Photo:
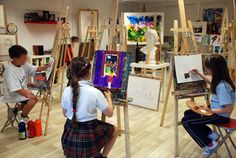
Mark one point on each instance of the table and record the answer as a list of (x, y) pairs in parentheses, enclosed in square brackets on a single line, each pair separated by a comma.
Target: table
[(153, 68)]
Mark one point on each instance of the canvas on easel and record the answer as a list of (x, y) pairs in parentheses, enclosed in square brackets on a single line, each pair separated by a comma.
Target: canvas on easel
[(111, 71)]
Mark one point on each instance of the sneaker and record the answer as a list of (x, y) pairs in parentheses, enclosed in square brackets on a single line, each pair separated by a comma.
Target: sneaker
[(214, 136), (21, 117), (208, 150)]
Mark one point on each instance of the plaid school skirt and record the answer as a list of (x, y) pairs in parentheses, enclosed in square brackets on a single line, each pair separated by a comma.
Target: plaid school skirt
[(87, 140)]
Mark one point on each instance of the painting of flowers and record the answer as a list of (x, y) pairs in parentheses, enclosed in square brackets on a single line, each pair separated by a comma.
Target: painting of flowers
[(138, 23)]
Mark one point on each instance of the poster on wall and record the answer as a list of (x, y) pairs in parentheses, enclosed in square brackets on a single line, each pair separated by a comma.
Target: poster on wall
[(6, 41), (2, 17), (213, 17), (87, 17), (145, 92), (184, 66), (138, 23)]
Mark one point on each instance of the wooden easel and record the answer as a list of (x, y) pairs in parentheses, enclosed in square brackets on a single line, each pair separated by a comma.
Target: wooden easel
[(90, 36), (181, 35), (232, 54), (59, 52), (113, 30), (225, 34)]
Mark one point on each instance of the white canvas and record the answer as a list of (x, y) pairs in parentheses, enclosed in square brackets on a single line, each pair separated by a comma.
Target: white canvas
[(2, 17), (145, 92), (85, 22), (184, 65), (6, 41)]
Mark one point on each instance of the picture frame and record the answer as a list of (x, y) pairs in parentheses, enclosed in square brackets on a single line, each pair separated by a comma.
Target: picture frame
[(3, 18), (6, 41), (138, 22), (199, 28), (84, 22)]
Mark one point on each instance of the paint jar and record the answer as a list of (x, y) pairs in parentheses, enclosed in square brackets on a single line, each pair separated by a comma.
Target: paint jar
[(38, 128)]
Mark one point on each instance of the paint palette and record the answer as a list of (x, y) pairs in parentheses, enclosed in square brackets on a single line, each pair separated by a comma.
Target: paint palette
[(201, 109)]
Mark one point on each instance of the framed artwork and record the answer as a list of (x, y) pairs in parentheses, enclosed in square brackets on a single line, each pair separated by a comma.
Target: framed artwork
[(87, 17), (6, 41), (213, 17), (215, 39), (145, 92), (138, 23), (199, 28), (216, 49), (2, 16)]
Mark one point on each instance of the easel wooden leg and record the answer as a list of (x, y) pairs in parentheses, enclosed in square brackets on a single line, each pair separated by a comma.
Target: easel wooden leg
[(166, 99), (127, 132), (118, 118), (41, 109), (48, 113), (176, 128)]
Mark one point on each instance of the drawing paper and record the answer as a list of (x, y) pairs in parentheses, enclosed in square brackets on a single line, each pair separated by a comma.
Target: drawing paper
[(184, 65)]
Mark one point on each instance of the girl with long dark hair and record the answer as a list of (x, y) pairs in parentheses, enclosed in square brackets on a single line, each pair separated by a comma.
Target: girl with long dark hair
[(222, 104), (84, 136)]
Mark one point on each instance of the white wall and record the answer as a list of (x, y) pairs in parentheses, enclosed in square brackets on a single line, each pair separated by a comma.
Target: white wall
[(171, 10), (29, 34), (33, 34)]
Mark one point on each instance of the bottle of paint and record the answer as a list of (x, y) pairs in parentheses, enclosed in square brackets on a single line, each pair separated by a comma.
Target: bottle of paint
[(31, 129), (22, 130), (38, 128)]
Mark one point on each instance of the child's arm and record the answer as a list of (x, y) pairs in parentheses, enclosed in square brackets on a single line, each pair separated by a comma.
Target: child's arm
[(207, 80), (42, 68), (109, 111), (226, 109), (27, 94)]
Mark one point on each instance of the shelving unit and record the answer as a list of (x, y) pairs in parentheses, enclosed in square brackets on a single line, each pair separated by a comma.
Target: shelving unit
[(38, 60)]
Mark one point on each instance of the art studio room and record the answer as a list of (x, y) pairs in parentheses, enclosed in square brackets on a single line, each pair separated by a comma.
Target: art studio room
[(117, 78)]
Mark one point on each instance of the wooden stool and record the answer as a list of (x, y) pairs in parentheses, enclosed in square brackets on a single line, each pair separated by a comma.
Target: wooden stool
[(11, 115), (126, 131)]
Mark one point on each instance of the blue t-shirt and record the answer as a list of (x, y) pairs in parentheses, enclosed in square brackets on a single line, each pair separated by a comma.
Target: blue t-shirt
[(223, 97)]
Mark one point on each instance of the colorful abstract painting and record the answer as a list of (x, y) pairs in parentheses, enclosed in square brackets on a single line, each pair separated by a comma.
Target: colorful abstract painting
[(107, 73), (138, 23)]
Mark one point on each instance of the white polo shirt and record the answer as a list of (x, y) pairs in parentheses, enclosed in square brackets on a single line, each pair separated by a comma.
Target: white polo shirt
[(90, 98), (14, 79)]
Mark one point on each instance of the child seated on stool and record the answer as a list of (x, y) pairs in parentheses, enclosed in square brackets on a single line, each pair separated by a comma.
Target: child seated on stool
[(222, 104), (15, 85), (84, 136)]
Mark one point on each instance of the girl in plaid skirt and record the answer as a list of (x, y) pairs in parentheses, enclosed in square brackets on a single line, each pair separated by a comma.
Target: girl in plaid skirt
[(84, 136)]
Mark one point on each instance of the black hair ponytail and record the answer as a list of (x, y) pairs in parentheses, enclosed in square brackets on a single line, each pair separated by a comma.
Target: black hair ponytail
[(75, 91), (79, 68)]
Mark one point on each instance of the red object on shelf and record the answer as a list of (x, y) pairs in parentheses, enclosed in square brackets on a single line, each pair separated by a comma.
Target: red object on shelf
[(42, 22)]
